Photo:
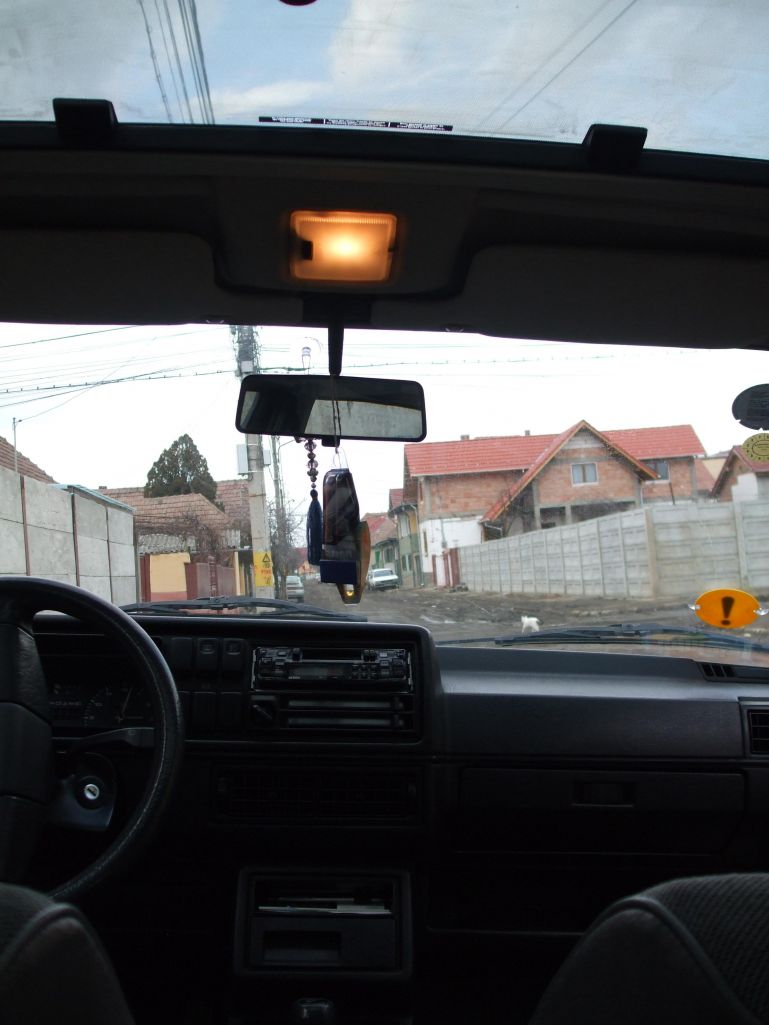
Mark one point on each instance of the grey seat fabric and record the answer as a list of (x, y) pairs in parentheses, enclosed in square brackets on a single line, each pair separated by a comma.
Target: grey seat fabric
[(53, 970), (689, 952)]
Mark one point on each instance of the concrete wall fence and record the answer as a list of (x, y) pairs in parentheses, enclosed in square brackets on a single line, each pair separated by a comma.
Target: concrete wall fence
[(662, 551), (67, 534)]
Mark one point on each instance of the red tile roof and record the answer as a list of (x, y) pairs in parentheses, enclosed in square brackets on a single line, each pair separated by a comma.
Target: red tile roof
[(519, 452), (551, 450), (232, 494), (658, 442), (376, 523), (382, 529), (168, 513), (736, 455), (26, 467), (396, 497), (479, 455)]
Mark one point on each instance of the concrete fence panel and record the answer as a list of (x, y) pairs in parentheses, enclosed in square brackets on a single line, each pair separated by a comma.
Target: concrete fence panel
[(49, 532), (752, 519), (12, 554), (665, 550), (67, 534), (695, 547)]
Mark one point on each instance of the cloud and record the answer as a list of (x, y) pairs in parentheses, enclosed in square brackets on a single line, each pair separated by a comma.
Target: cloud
[(275, 98)]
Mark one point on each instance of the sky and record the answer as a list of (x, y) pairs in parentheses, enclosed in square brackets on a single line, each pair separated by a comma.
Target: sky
[(695, 73), (85, 432)]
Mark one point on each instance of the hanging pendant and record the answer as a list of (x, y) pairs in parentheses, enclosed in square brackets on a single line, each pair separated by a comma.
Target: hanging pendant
[(315, 512)]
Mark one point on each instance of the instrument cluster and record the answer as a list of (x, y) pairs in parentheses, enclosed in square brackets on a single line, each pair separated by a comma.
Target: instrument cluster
[(99, 705)]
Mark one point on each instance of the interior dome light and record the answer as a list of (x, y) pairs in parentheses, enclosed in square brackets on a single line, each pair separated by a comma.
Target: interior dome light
[(341, 245)]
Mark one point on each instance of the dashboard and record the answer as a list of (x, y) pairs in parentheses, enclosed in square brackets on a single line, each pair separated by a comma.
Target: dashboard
[(500, 798), (309, 723), (328, 742), (240, 685)]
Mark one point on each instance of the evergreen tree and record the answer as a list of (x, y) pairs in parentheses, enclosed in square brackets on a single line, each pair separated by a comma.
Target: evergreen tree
[(180, 470)]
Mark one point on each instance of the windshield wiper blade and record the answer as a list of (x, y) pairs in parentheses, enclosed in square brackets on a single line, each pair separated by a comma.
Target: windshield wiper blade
[(621, 633), (280, 607)]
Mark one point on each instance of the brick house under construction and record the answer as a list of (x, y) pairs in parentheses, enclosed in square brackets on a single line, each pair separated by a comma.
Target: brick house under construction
[(469, 491)]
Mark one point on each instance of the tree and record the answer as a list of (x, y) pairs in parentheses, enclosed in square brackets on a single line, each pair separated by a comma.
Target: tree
[(180, 470), (283, 530)]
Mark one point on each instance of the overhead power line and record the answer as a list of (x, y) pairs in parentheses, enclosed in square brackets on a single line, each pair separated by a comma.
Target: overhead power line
[(202, 58), (177, 58), (188, 14), (164, 36), (155, 65), (59, 338)]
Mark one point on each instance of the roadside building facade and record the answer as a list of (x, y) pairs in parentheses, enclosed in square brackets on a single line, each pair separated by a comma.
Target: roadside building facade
[(403, 511), (188, 547), (481, 489), (741, 479), (384, 542)]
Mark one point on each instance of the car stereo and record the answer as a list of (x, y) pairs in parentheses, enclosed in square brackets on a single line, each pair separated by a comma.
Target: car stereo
[(305, 666)]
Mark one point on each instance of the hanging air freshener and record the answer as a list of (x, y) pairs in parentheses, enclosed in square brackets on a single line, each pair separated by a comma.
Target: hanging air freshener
[(314, 513), (346, 539)]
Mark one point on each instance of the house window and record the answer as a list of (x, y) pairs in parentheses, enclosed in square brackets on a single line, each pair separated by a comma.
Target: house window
[(424, 540), (405, 563), (584, 473), (660, 467)]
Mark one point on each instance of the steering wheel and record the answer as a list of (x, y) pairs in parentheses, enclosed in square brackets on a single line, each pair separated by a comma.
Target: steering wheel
[(28, 789)]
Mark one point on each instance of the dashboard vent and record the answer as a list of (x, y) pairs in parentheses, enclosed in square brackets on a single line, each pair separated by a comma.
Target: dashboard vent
[(716, 671), (320, 794), (758, 730), (346, 711)]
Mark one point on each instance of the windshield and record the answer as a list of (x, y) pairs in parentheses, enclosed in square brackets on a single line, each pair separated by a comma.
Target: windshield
[(559, 486), (696, 75)]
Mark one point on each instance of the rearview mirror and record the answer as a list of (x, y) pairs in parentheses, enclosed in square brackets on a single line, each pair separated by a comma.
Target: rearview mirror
[(315, 406)]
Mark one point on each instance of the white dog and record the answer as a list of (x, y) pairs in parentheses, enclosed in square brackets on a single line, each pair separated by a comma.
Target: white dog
[(529, 624)]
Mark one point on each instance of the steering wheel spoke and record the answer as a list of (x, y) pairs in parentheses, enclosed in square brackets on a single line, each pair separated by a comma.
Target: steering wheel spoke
[(132, 736), (25, 739)]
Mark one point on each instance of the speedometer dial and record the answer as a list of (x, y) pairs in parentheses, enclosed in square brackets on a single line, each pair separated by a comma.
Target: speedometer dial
[(66, 702), (116, 705)]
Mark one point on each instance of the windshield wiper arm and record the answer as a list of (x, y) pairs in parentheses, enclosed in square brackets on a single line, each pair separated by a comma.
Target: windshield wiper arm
[(621, 633), (279, 606)]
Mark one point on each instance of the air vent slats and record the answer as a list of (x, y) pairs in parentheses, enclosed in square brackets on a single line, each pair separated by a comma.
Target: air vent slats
[(392, 713), (758, 730), (717, 671), (324, 794)]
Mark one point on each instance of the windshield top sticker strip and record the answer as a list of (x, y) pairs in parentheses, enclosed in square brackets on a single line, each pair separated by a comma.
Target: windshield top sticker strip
[(345, 122)]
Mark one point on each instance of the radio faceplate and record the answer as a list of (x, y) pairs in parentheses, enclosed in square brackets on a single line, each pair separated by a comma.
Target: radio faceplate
[(362, 690), (304, 666)]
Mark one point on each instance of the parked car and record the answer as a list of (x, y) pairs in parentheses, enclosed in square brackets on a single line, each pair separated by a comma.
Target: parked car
[(383, 579), (303, 815), (294, 588)]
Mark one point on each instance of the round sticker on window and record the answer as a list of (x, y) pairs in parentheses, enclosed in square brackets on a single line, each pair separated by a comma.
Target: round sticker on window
[(756, 447), (751, 407), (727, 607)]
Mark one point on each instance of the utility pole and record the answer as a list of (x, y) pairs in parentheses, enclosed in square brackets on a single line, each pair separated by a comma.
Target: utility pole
[(281, 522), (246, 343)]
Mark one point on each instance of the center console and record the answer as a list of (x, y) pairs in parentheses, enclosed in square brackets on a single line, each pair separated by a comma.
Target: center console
[(336, 925)]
